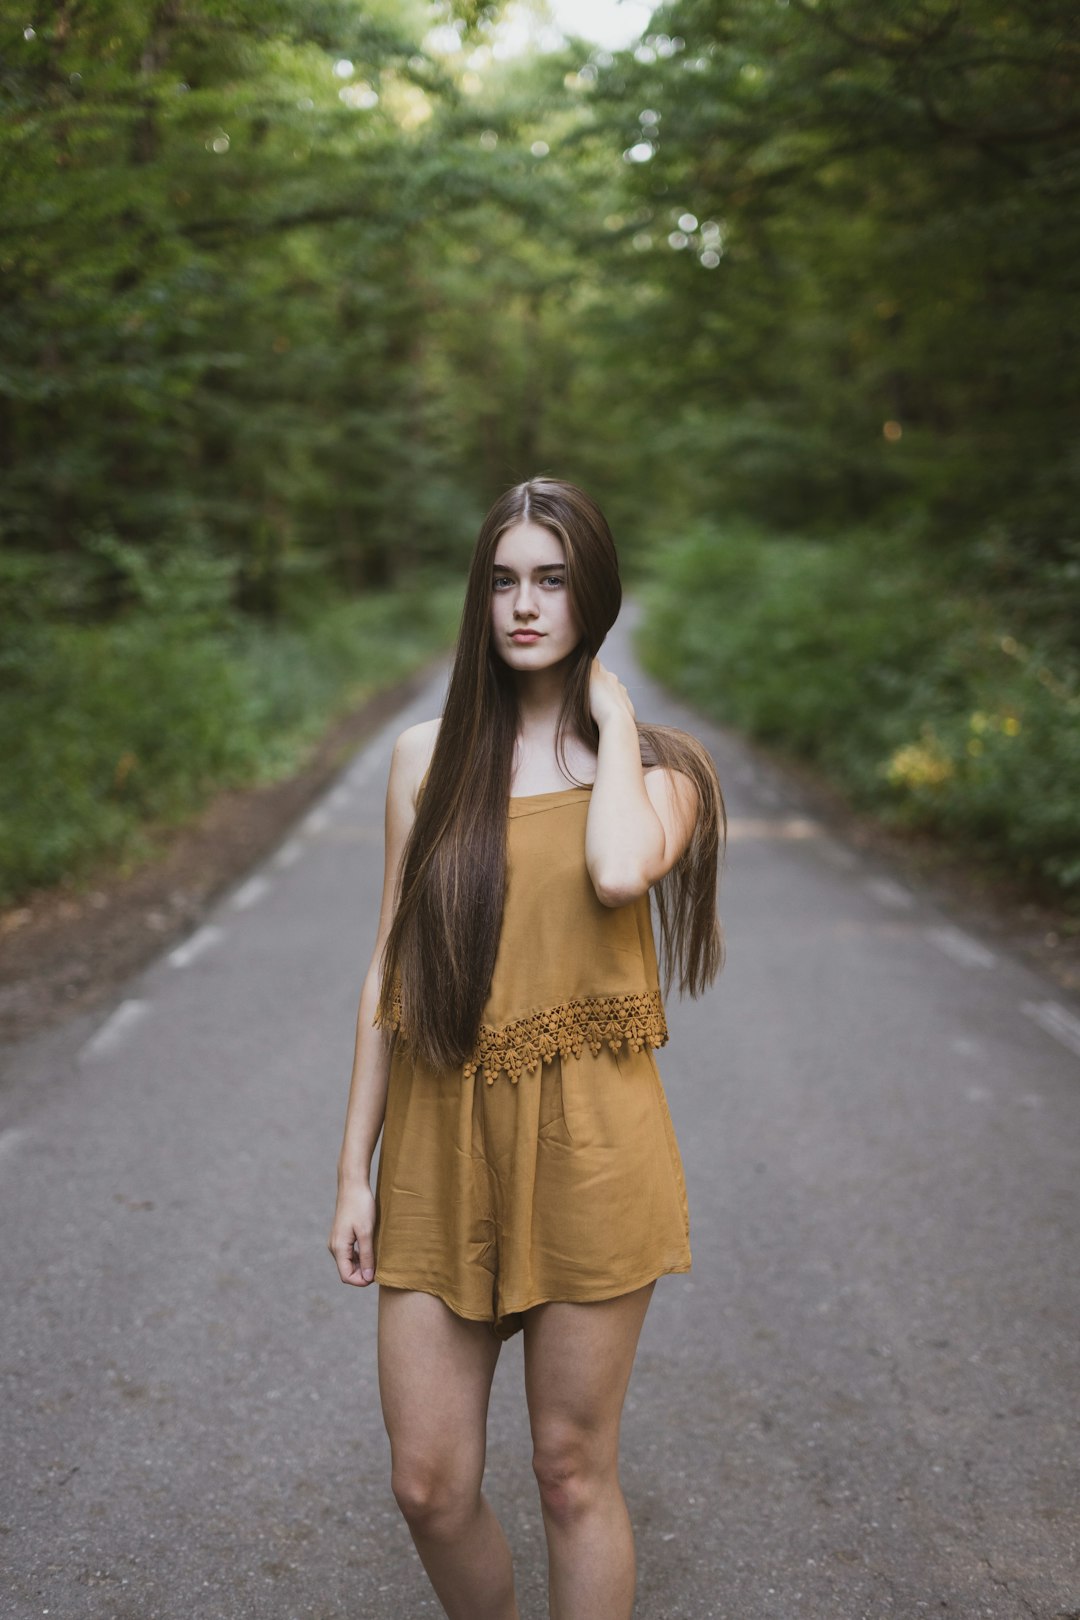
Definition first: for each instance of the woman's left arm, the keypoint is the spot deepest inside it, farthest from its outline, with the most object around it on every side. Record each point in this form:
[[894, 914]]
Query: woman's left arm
[[637, 825]]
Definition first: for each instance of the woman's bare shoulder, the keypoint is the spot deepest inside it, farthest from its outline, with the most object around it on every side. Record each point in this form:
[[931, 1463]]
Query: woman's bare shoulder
[[412, 753]]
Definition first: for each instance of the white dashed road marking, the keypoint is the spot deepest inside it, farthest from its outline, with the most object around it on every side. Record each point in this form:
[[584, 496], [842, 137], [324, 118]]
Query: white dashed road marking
[[200, 941], [10, 1140], [1056, 1021], [316, 821], [837, 854], [289, 852], [771, 827], [115, 1027], [252, 891], [961, 947], [890, 893]]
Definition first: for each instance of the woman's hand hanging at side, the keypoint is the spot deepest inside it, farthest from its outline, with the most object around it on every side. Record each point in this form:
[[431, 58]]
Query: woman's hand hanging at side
[[607, 694], [351, 1236]]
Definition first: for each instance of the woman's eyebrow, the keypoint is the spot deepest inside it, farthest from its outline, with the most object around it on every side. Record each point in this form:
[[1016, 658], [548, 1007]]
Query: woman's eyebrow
[[541, 568]]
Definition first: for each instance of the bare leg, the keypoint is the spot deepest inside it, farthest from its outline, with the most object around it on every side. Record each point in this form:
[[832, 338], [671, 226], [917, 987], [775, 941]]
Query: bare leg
[[435, 1372], [578, 1360]]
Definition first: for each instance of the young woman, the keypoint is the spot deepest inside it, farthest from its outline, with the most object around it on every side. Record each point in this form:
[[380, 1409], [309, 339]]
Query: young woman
[[529, 1176]]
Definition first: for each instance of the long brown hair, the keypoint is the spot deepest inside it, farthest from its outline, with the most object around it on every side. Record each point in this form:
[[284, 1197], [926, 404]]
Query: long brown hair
[[440, 951]]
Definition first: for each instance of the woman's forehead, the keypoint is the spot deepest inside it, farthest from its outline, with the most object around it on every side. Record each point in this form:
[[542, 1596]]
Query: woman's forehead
[[529, 545]]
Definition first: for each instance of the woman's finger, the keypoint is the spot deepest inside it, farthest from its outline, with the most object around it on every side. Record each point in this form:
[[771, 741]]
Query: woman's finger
[[342, 1247]]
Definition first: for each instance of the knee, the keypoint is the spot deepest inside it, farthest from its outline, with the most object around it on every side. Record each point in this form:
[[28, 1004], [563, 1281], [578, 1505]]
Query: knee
[[572, 1474], [433, 1498]]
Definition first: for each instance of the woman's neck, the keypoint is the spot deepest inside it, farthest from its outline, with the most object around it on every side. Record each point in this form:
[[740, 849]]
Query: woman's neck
[[540, 696]]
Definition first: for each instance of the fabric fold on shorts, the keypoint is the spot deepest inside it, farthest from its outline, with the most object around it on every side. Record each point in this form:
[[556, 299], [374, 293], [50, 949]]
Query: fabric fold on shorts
[[566, 1186]]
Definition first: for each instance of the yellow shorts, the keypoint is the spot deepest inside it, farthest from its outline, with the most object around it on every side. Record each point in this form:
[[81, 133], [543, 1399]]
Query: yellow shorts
[[566, 1185]]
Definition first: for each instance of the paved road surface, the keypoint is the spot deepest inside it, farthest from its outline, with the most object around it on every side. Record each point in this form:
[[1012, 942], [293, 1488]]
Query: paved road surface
[[862, 1402]]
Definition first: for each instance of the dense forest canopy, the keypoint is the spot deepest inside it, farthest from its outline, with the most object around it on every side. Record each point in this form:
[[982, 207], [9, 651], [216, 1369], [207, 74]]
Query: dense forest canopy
[[290, 289], [284, 284]]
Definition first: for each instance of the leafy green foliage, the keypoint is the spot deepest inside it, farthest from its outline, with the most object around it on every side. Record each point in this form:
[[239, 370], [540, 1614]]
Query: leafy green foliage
[[917, 701], [288, 293], [87, 765], [862, 234]]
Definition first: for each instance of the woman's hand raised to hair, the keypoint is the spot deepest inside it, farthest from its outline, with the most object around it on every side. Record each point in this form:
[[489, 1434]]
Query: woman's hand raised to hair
[[607, 694], [351, 1236]]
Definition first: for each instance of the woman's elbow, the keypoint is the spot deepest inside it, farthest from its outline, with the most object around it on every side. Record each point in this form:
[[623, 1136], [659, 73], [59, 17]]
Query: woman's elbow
[[619, 888]]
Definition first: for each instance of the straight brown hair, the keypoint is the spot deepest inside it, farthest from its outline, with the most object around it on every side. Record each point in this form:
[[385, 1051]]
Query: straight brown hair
[[440, 951]]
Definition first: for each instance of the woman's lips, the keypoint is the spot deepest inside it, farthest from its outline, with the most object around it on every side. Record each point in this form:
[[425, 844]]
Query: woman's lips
[[526, 635]]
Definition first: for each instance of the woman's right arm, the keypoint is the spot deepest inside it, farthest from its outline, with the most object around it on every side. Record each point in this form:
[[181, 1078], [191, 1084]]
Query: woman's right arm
[[351, 1235]]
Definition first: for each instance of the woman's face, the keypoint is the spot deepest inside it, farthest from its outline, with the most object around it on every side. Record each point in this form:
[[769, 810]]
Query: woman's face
[[529, 594]]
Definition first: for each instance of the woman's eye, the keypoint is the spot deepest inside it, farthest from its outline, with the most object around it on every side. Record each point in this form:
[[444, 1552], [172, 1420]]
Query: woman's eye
[[549, 579]]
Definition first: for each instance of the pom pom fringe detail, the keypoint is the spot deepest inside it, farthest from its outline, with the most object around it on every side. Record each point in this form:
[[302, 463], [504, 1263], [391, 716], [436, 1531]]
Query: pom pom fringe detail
[[636, 1018]]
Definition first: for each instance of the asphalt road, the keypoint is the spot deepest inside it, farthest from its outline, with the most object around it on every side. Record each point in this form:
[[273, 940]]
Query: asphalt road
[[862, 1401]]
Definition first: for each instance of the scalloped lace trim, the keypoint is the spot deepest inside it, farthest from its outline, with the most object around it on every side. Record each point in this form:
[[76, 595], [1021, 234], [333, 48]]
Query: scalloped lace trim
[[636, 1017]]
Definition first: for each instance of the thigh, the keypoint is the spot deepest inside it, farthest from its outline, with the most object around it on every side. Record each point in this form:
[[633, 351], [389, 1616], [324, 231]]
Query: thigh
[[578, 1361], [435, 1372]]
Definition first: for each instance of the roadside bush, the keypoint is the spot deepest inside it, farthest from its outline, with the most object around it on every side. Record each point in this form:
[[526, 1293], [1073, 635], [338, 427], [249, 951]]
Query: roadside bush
[[105, 728], [862, 657]]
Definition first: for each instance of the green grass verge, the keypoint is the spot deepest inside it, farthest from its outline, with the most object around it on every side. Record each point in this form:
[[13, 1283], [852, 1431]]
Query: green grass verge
[[104, 729], [862, 657]]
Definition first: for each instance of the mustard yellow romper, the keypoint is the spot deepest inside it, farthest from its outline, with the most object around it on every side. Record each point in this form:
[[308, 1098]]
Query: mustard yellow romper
[[547, 1168]]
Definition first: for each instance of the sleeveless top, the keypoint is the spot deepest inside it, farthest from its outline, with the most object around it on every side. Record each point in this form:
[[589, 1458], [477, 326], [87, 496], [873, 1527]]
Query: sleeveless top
[[570, 972]]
